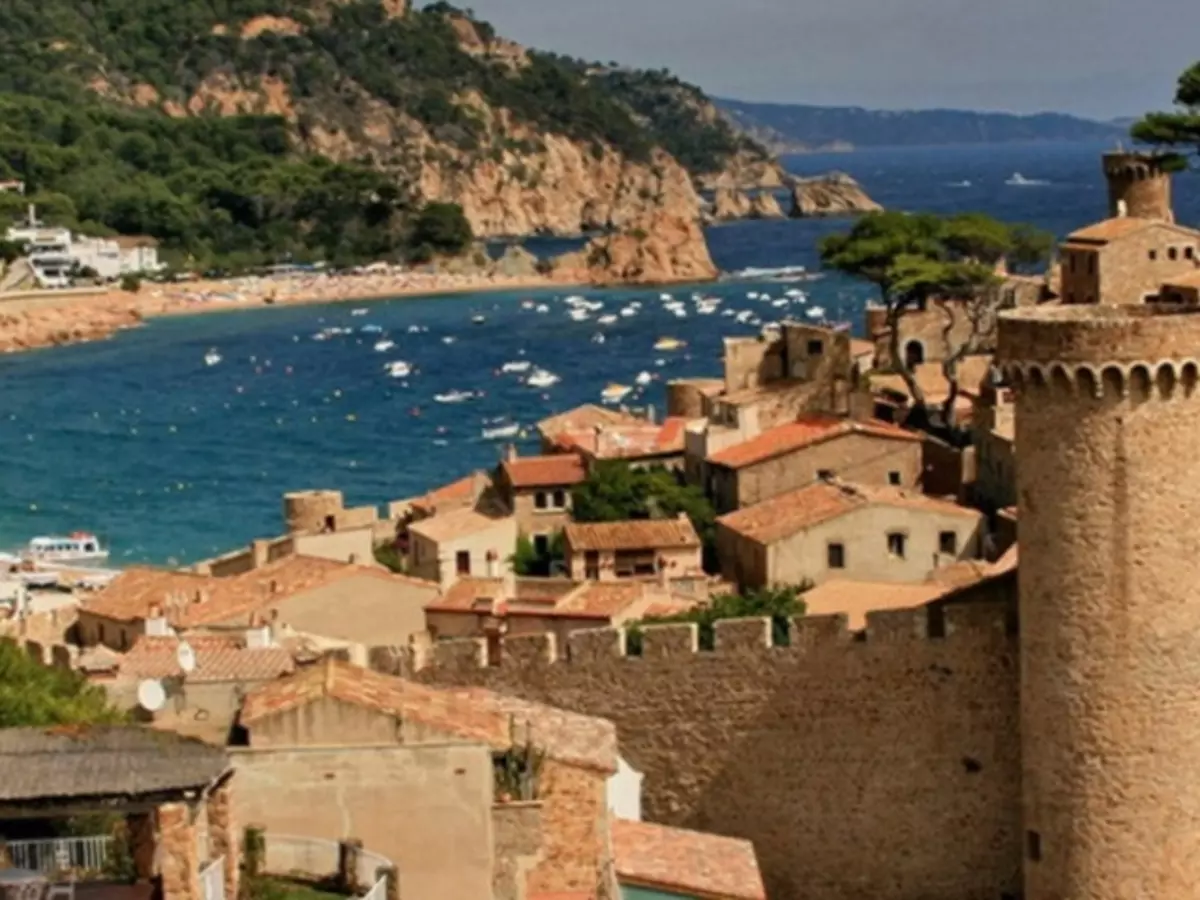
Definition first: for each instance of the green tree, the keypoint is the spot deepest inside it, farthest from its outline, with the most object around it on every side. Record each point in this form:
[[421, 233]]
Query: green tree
[[443, 228], [1179, 128], [615, 491], [781, 604], [914, 259], [33, 694], [528, 562]]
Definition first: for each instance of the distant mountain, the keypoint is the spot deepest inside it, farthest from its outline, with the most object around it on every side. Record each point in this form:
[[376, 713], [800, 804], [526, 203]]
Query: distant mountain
[[786, 127]]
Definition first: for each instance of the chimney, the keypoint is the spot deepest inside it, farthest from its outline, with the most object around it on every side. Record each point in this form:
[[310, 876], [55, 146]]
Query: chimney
[[155, 624], [258, 635], [490, 563]]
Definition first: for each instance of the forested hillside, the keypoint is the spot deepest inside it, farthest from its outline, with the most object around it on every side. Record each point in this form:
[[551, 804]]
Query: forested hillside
[[265, 128]]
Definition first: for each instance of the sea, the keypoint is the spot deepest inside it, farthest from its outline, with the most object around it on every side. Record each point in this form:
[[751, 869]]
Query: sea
[[171, 460]]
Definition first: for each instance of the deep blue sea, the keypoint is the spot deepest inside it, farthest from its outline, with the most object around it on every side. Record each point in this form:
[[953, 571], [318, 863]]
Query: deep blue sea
[[170, 460]]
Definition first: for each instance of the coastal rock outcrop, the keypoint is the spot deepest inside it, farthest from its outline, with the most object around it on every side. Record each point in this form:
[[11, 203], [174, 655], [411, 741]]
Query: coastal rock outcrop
[[730, 203], [657, 249], [835, 194]]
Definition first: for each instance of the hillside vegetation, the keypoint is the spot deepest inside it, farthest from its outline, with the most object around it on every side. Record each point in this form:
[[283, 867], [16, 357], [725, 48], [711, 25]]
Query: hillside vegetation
[[267, 129], [795, 128]]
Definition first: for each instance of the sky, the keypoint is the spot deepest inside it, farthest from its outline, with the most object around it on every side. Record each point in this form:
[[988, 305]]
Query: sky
[[1097, 58]]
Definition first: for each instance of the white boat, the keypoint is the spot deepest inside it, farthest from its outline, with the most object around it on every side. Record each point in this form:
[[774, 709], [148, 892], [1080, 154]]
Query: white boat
[[371, 329], [361, 311], [665, 297], [669, 343], [542, 308], [578, 315], [598, 338], [453, 397], [211, 358], [815, 312], [629, 311], [384, 346], [520, 365], [542, 379], [79, 547], [607, 320], [615, 393], [478, 320], [449, 339], [398, 369], [644, 378], [527, 304], [414, 329], [504, 431]]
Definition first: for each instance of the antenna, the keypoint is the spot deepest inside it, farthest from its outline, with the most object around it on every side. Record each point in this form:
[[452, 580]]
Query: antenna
[[151, 695], [186, 657]]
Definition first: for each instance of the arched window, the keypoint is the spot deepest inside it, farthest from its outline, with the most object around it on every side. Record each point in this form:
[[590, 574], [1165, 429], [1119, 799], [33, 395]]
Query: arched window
[[914, 353]]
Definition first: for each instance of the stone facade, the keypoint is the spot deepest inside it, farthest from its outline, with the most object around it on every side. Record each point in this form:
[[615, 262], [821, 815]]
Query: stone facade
[[1109, 494], [1138, 186], [813, 751], [1125, 260], [461, 542], [179, 852]]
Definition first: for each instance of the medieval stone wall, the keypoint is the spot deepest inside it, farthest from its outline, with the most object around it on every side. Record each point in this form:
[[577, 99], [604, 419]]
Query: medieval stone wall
[[881, 766]]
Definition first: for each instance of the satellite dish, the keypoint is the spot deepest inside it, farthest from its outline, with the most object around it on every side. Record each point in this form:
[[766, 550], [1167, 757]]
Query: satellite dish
[[151, 695], [186, 657]]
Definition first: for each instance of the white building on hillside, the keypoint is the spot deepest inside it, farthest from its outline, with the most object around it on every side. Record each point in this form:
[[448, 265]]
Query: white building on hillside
[[55, 253]]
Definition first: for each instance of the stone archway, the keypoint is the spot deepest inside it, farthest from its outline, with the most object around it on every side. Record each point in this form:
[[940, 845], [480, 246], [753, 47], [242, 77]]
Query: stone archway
[[914, 354]]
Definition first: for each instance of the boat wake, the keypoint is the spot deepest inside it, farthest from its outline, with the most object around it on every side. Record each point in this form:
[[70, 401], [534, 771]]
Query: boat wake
[[1019, 180], [783, 273]]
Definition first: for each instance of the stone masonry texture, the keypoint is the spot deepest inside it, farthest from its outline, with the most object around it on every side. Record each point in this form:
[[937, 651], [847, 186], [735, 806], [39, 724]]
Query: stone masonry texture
[[1109, 493], [883, 768]]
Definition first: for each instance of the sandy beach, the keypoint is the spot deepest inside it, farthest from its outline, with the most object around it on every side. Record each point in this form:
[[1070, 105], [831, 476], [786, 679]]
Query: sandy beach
[[29, 320]]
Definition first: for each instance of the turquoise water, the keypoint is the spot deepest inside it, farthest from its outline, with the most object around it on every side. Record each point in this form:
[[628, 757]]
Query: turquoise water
[[171, 460], [629, 892]]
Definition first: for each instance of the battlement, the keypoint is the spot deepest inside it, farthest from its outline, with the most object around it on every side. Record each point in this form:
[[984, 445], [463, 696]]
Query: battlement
[[1139, 185], [1099, 336], [1137, 381], [1134, 166], [731, 637]]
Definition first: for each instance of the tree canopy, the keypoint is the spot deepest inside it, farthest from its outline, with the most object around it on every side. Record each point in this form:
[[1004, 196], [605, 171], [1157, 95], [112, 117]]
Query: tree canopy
[[33, 694], [914, 259], [781, 604], [1181, 127], [615, 491]]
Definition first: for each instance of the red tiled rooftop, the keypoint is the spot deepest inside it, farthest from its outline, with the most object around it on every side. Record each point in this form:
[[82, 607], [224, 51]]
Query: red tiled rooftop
[[218, 658], [1109, 230], [461, 491], [555, 470], [585, 417], [821, 501], [467, 594], [456, 523], [855, 599], [633, 534], [473, 714], [805, 432], [686, 862]]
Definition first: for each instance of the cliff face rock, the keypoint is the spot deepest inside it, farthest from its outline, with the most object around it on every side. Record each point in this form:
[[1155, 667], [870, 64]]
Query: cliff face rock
[[747, 171], [657, 249], [836, 194], [730, 203]]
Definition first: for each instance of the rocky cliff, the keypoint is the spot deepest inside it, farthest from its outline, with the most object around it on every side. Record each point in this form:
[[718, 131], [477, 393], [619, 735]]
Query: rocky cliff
[[657, 249], [836, 194], [730, 203]]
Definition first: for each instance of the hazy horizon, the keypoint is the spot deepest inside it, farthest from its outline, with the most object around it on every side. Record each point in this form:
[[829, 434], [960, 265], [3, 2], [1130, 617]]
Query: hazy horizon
[[1094, 58]]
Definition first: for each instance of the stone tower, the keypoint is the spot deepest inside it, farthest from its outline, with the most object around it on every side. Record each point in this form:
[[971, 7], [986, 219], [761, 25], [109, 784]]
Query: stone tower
[[1139, 185], [1107, 426]]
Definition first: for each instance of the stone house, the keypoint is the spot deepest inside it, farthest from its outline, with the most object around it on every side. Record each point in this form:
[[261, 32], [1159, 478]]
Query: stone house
[[601, 551], [537, 491], [449, 849], [341, 601], [1181, 289], [834, 529], [493, 607], [789, 456], [641, 443], [678, 863], [993, 436], [461, 542], [582, 418], [1126, 260]]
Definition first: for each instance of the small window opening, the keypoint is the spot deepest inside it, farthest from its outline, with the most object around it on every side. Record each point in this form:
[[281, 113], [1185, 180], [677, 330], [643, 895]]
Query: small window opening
[[1033, 846], [836, 554], [948, 542], [894, 478], [897, 544]]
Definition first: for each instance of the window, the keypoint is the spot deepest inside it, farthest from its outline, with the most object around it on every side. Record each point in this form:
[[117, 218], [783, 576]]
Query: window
[[462, 562], [948, 543], [635, 562], [591, 565], [100, 634], [1091, 263], [1189, 252], [560, 499], [835, 556], [815, 348], [893, 478], [1173, 254], [825, 474], [1070, 296], [124, 641], [1153, 255], [1071, 262], [540, 500], [541, 544], [1033, 846], [897, 544]]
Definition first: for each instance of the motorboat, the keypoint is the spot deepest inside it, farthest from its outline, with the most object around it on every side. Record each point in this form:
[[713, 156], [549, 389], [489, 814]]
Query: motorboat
[[449, 339], [615, 393], [211, 358], [644, 378], [608, 319], [598, 338], [501, 432], [815, 312], [542, 379], [361, 311], [79, 547], [398, 369], [478, 320], [371, 329], [384, 346], [578, 315], [516, 366], [454, 396], [669, 343]]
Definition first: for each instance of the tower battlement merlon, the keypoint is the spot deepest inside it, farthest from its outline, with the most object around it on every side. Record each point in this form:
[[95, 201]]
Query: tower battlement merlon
[[1139, 184]]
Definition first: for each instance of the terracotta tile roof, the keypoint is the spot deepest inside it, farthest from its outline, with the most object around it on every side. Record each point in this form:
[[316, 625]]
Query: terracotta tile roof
[[807, 431], [751, 395], [822, 501], [462, 491], [585, 417], [626, 441], [555, 470], [1109, 230], [1188, 279], [467, 593], [473, 714], [682, 861], [218, 658], [456, 523], [189, 600], [634, 534], [602, 599], [856, 598]]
